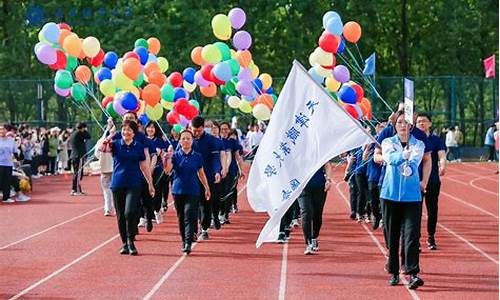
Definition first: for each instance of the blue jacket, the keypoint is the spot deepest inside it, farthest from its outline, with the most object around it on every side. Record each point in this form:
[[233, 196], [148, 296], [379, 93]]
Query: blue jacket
[[395, 186]]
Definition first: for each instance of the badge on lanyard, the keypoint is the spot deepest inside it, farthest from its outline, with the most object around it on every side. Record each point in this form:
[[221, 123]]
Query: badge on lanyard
[[406, 170]]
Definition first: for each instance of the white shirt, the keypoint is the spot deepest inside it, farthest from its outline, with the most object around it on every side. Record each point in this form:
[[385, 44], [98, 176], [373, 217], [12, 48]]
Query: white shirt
[[254, 138], [451, 141]]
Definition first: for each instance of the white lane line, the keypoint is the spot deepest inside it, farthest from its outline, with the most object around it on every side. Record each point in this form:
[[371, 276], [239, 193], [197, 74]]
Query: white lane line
[[470, 205], [380, 247], [170, 271], [50, 228], [284, 260], [471, 183], [62, 269]]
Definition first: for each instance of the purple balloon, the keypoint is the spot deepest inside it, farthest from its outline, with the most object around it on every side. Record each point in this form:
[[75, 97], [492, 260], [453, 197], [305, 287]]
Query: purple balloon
[[237, 17], [242, 40], [46, 54], [117, 106], [244, 87], [183, 121], [341, 74], [245, 74], [198, 78], [61, 92]]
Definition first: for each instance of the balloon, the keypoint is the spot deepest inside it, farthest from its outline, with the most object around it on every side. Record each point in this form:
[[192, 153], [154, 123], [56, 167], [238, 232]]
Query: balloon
[[244, 58], [83, 74], [221, 27], [134, 90], [245, 73], [267, 100], [139, 80], [78, 92], [209, 91], [144, 119], [150, 67], [340, 50], [235, 66], [352, 32], [224, 50], [63, 79], [181, 106], [332, 84], [97, 60], [111, 110], [267, 80], [329, 42], [167, 105], [63, 34], [129, 101], [315, 76], [173, 117], [261, 112], [196, 56], [341, 73], [132, 67], [46, 54], [180, 93], [175, 79], [72, 45], [71, 62], [107, 87], [328, 15], [154, 113], [141, 43], [366, 107], [334, 26], [131, 54], [353, 110], [359, 91], [206, 72], [154, 45], [198, 78], [255, 70], [103, 74], [50, 32], [211, 54], [110, 59], [61, 92], [162, 64], [152, 57], [151, 94], [190, 87], [195, 103], [143, 54], [230, 87], [188, 74], [244, 87], [245, 106], [222, 71], [237, 17], [178, 128], [121, 81], [91, 46], [233, 102], [347, 94], [106, 101], [257, 85], [322, 71], [157, 78], [242, 40]]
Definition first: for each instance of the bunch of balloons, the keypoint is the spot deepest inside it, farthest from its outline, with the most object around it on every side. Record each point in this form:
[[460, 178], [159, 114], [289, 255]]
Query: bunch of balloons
[[336, 77], [233, 71]]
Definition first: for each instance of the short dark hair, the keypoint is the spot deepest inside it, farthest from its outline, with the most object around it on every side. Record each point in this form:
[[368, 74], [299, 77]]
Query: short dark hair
[[131, 124], [81, 125], [131, 112], [226, 123], [198, 122], [216, 124], [424, 115], [186, 131]]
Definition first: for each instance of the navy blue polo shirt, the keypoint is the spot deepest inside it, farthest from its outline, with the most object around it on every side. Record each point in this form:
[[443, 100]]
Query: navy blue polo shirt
[[175, 143], [318, 180], [360, 165], [372, 168], [126, 160], [139, 137], [436, 145], [207, 145], [155, 143], [233, 146], [185, 176], [353, 166]]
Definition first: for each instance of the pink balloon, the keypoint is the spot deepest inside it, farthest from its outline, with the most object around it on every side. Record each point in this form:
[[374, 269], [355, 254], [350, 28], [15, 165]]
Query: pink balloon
[[198, 78], [46, 54], [61, 92]]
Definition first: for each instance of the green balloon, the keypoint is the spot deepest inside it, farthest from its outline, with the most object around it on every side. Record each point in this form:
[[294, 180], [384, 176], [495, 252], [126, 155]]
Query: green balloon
[[235, 66], [230, 88], [334, 95], [224, 50], [63, 79], [178, 128], [195, 103], [275, 98], [112, 111], [71, 63], [78, 92], [139, 80], [141, 43], [223, 90], [167, 92]]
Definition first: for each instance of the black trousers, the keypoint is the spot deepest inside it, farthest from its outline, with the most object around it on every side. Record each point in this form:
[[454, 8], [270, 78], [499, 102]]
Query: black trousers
[[126, 202], [353, 193], [146, 202], [229, 194], [161, 184], [404, 216], [210, 209], [312, 202], [52, 165], [187, 210], [491, 152], [374, 198], [77, 164], [431, 203], [286, 220], [362, 186], [5, 181]]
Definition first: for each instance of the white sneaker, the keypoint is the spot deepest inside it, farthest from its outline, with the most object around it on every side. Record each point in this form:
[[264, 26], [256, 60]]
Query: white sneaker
[[158, 217], [295, 223], [142, 222], [309, 250], [107, 213], [8, 200], [22, 198], [12, 193]]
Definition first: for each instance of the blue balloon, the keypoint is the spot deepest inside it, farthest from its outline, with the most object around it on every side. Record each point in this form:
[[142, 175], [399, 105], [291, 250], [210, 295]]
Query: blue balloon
[[129, 101], [152, 57], [51, 32], [257, 85], [327, 16], [347, 94], [104, 73], [110, 59], [334, 26], [270, 90], [188, 75], [341, 45], [144, 119], [222, 71], [180, 93], [315, 76], [143, 54]]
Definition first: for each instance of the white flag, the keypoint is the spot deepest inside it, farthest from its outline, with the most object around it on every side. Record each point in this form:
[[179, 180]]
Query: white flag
[[307, 129]]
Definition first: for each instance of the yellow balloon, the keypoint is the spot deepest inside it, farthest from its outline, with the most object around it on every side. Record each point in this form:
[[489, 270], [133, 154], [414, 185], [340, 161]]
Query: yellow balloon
[[211, 54], [122, 81], [255, 70], [188, 86], [91, 46], [261, 112], [72, 45], [233, 102], [245, 106], [323, 58], [267, 80], [142, 106], [313, 59], [107, 87], [233, 53], [154, 113], [221, 27], [332, 84], [322, 71], [167, 105], [42, 38], [163, 64]]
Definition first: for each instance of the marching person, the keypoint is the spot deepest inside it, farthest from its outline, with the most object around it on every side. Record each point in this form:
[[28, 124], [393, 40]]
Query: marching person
[[402, 198], [106, 166], [187, 167], [7, 150], [78, 142]]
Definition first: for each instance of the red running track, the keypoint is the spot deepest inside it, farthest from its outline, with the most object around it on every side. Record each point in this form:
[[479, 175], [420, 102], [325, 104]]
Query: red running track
[[57, 246]]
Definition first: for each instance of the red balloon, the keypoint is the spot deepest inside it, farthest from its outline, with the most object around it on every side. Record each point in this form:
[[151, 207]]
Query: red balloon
[[173, 117], [329, 42], [206, 72], [359, 91], [106, 101], [61, 61], [97, 60], [175, 79], [64, 26], [352, 111], [131, 54], [191, 112], [181, 106]]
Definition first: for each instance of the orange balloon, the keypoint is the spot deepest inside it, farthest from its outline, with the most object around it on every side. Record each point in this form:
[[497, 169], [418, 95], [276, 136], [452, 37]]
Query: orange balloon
[[151, 94], [83, 74], [352, 31], [72, 45], [244, 58], [157, 78], [196, 56], [366, 107], [81, 55], [209, 91], [154, 45], [150, 67], [267, 100], [132, 68], [64, 33]]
